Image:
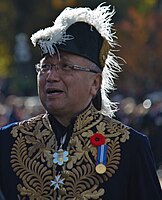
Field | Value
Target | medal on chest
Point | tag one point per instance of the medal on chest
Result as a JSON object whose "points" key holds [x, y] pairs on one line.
{"points": [[101, 159], [98, 140], [61, 156]]}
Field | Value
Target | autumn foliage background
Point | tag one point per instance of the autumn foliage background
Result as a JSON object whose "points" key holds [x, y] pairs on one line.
{"points": [[140, 37], [139, 31]]}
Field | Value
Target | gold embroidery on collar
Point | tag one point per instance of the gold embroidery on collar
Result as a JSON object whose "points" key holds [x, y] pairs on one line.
{"points": [[87, 120], [31, 156]]}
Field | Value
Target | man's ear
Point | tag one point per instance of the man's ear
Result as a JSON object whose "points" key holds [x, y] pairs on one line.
{"points": [[97, 100], [96, 85]]}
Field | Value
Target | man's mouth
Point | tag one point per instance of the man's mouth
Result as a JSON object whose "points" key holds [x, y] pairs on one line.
{"points": [[53, 91]]}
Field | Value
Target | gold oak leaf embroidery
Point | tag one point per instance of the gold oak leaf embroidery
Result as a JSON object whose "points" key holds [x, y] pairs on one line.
{"points": [[34, 175]]}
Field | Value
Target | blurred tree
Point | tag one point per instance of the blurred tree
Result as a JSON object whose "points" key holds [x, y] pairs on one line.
{"points": [[142, 6], [7, 32], [60, 4], [139, 32], [140, 38], [5, 60]]}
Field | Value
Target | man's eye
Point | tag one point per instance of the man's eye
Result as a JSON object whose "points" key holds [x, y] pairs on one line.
{"points": [[66, 67], [45, 67]]}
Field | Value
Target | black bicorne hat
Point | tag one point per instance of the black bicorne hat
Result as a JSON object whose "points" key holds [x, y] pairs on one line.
{"points": [[87, 42]]}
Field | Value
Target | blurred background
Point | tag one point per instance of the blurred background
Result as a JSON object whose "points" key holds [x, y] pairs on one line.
{"points": [[139, 88]]}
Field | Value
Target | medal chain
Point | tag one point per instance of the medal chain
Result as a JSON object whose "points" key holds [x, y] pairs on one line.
{"points": [[62, 140]]}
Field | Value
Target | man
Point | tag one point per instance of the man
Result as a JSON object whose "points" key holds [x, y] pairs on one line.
{"points": [[76, 150]]}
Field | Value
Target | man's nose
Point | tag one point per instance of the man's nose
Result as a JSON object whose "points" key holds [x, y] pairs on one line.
{"points": [[53, 75]]}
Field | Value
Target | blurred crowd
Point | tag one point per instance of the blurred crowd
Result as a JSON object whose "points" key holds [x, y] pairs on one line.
{"points": [[15, 108], [144, 116]]}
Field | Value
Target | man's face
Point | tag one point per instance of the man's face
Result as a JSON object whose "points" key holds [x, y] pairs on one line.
{"points": [[67, 93]]}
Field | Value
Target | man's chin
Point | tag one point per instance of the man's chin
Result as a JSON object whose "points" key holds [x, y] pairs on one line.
{"points": [[54, 109]]}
